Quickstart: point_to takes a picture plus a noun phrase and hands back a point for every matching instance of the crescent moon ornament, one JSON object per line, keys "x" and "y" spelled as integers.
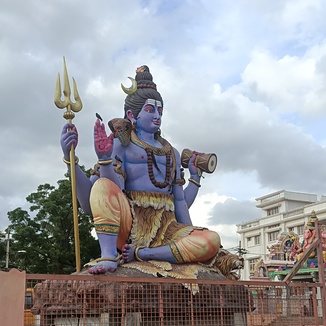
{"x": 132, "y": 89}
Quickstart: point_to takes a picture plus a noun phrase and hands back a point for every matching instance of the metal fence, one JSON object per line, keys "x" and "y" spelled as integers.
{"x": 62, "y": 300}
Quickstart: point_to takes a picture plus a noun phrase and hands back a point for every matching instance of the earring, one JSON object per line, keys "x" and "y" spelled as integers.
{"x": 157, "y": 134}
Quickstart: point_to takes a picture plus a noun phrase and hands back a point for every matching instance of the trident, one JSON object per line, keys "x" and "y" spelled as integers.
{"x": 69, "y": 115}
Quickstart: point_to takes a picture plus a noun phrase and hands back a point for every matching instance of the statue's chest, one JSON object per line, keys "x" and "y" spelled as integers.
{"x": 139, "y": 155}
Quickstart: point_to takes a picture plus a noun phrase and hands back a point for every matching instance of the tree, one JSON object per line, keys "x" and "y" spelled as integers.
{"x": 2, "y": 248}
{"x": 44, "y": 243}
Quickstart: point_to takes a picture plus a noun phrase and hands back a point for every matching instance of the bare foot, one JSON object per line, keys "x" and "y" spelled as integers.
{"x": 104, "y": 266}
{"x": 128, "y": 253}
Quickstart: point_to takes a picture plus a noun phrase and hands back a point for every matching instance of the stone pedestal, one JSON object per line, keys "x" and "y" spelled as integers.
{"x": 130, "y": 297}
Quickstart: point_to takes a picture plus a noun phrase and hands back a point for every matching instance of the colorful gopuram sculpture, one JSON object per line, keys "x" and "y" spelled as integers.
{"x": 289, "y": 248}
{"x": 286, "y": 247}
{"x": 136, "y": 194}
{"x": 308, "y": 236}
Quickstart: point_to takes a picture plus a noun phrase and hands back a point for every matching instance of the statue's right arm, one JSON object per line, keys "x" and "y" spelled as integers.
{"x": 107, "y": 150}
{"x": 69, "y": 138}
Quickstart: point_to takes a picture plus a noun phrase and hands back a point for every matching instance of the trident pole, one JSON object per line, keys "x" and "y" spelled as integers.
{"x": 70, "y": 107}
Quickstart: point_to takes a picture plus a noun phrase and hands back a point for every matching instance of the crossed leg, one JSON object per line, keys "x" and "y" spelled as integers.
{"x": 113, "y": 221}
{"x": 198, "y": 246}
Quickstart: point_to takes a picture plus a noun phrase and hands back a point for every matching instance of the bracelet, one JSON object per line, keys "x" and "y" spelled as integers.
{"x": 68, "y": 162}
{"x": 107, "y": 162}
{"x": 136, "y": 253}
{"x": 195, "y": 182}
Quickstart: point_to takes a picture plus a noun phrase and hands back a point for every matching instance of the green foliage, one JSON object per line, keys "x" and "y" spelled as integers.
{"x": 43, "y": 239}
{"x": 2, "y": 248}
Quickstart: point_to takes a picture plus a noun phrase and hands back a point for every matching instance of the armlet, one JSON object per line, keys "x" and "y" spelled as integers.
{"x": 179, "y": 182}
{"x": 95, "y": 170}
{"x": 119, "y": 170}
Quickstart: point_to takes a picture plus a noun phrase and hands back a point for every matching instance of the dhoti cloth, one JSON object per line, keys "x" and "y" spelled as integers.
{"x": 148, "y": 220}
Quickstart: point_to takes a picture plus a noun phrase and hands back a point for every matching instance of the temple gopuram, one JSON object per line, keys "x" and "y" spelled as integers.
{"x": 287, "y": 251}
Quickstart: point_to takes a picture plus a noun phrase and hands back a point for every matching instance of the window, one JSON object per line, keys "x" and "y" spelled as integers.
{"x": 300, "y": 229}
{"x": 291, "y": 229}
{"x": 272, "y": 236}
{"x": 274, "y": 226}
{"x": 272, "y": 211}
{"x": 257, "y": 240}
{"x": 252, "y": 263}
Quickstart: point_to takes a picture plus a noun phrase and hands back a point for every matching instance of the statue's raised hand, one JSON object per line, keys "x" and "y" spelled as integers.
{"x": 191, "y": 165}
{"x": 68, "y": 138}
{"x": 102, "y": 143}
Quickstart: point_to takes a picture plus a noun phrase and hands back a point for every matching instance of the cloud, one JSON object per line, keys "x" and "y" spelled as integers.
{"x": 233, "y": 212}
{"x": 289, "y": 84}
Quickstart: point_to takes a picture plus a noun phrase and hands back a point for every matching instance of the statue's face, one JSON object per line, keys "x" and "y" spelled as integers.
{"x": 307, "y": 234}
{"x": 150, "y": 117}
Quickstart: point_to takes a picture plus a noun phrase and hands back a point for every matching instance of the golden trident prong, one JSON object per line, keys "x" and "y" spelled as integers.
{"x": 67, "y": 103}
{"x": 69, "y": 115}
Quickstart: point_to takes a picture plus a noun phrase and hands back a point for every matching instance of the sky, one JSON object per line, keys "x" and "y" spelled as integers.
{"x": 244, "y": 79}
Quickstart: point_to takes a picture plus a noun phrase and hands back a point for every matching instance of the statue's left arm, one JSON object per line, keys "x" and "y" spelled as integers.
{"x": 180, "y": 206}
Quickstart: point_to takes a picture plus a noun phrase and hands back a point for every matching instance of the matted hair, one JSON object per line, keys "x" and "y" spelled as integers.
{"x": 146, "y": 89}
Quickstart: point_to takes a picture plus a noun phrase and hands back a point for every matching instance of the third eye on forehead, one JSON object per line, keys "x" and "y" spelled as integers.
{"x": 150, "y": 105}
{"x": 154, "y": 102}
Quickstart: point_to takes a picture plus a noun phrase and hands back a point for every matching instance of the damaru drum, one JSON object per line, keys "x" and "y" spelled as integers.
{"x": 205, "y": 162}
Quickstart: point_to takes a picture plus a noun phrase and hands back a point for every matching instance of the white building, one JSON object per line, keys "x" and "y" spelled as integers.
{"x": 280, "y": 211}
